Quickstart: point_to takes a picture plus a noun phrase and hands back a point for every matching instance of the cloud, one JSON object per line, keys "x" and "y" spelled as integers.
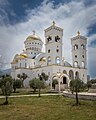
{"x": 72, "y": 16}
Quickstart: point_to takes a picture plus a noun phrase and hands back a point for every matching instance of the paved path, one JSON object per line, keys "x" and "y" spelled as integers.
{"x": 16, "y": 96}
{"x": 50, "y": 94}
{"x": 83, "y": 93}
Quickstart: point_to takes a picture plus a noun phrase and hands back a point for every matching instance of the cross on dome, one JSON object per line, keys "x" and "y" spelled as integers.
{"x": 33, "y": 32}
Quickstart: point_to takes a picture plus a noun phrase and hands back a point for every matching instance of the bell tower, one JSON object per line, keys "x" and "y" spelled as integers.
{"x": 53, "y": 38}
{"x": 79, "y": 51}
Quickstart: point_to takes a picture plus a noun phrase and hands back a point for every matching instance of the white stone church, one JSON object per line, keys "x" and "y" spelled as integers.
{"x": 32, "y": 61}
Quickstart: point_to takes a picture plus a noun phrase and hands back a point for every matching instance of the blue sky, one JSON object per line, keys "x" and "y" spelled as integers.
{"x": 18, "y": 18}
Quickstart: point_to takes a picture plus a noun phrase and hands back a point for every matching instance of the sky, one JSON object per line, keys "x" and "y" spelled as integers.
{"x": 18, "y": 18}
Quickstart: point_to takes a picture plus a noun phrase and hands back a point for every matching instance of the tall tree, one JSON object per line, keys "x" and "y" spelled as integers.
{"x": 76, "y": 86}
{"x": 22, "y": 77}
{"x": 6, "y": 87}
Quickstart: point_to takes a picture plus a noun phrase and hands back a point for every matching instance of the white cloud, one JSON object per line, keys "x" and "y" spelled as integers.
{"x": 72, "y": 16}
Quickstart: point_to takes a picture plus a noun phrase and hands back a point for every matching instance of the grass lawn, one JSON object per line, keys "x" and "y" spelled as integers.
{"x": 47, "y": 108}
{"x": 23, "y": 91}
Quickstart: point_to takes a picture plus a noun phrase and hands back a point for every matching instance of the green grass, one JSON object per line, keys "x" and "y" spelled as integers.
{"x": 23, "y": 91}
{"x": 28, "y": 91}
{"x": 47, "y": 108}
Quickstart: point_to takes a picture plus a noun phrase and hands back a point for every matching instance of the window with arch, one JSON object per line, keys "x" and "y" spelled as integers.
{"x": 76, "y": 74}
{"x": 75, "y": 56}
{"x": 64, "y": 71}
{"x": 49, "y": 38}
{"x": 57, "y": 50}
{"x": 83, "y": 64}
{"x": 49, "y": 51}
{"x": 20, "y": 64}
{"x": 71, "y": 74}
{"x": 75, "y": 47}
{"x": 83, "y": 46}
{"x": 49, "y": 60}
{"x": 83, "y": 56}
{"x": 57, "y": 60}
{"x": 75, "y": 64}
{"x": 57, "y": 38}
{"x": 25, "y": 65}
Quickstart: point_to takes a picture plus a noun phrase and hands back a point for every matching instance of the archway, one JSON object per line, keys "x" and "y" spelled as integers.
{"x": 60, "y": 77}
{"x": 64, "y": 80}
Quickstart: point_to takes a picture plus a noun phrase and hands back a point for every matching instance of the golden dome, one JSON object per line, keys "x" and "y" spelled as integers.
{"x": 33, "y": 37}
{"x": 23, "y": 55}
{"x": 17, "y": 57}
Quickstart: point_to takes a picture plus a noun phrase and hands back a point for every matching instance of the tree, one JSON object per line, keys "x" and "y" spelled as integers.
{"x": 40, "y": 85}
{"x": 92, "y": 81}
{"x": 22, "y": 77}
{"x": 43, "y": 76}
{"x": 16, "y": 84}
{"x": 54, "y": 83}
{"x": 36, "y": 83}
{"x": 33, "y": 84}
{"x": 76, "y": 86}
{"x": 89, "y": 84}
{"x": 6, "y": 87}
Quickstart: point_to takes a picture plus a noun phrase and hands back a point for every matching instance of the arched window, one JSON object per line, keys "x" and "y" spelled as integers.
{"x": 57, "y": 60}
{"x": 64, "y": 71}
{"x": 75, "y": 64}
{"x": 57, "y": 38}
{"x": 75, "y": 47}
{"x": 57, "y": 50}
{"x": 77, "y": 75}
{"x": 49, "y": 60}
{"x": 49, "y": 51}
{"x": 83, "y": 64}
{"x": 49, "y": 38}
{"x": 71, "y": 75}
{"x": 83, "y": 46}
{"x": 25, "y": 65}
{"x": 20, "y": 65}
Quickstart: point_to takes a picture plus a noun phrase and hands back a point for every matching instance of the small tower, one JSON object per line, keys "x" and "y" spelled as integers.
{"x": 53, "y": 38}
{"x": 79, "y": 51}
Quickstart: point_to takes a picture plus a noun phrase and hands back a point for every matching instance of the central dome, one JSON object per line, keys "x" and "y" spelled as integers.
{"x": 33, "y": 37}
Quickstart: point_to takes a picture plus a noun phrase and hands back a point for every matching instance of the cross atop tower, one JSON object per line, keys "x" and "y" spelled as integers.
{"x": 53, "y": 23}
{"x": 78, "y": 33}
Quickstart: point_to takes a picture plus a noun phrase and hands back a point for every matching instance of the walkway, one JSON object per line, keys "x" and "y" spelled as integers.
{"x": 32, "y": 95}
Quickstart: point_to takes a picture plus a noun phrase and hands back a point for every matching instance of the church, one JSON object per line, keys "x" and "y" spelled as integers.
{"x": 32, "y": 61}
